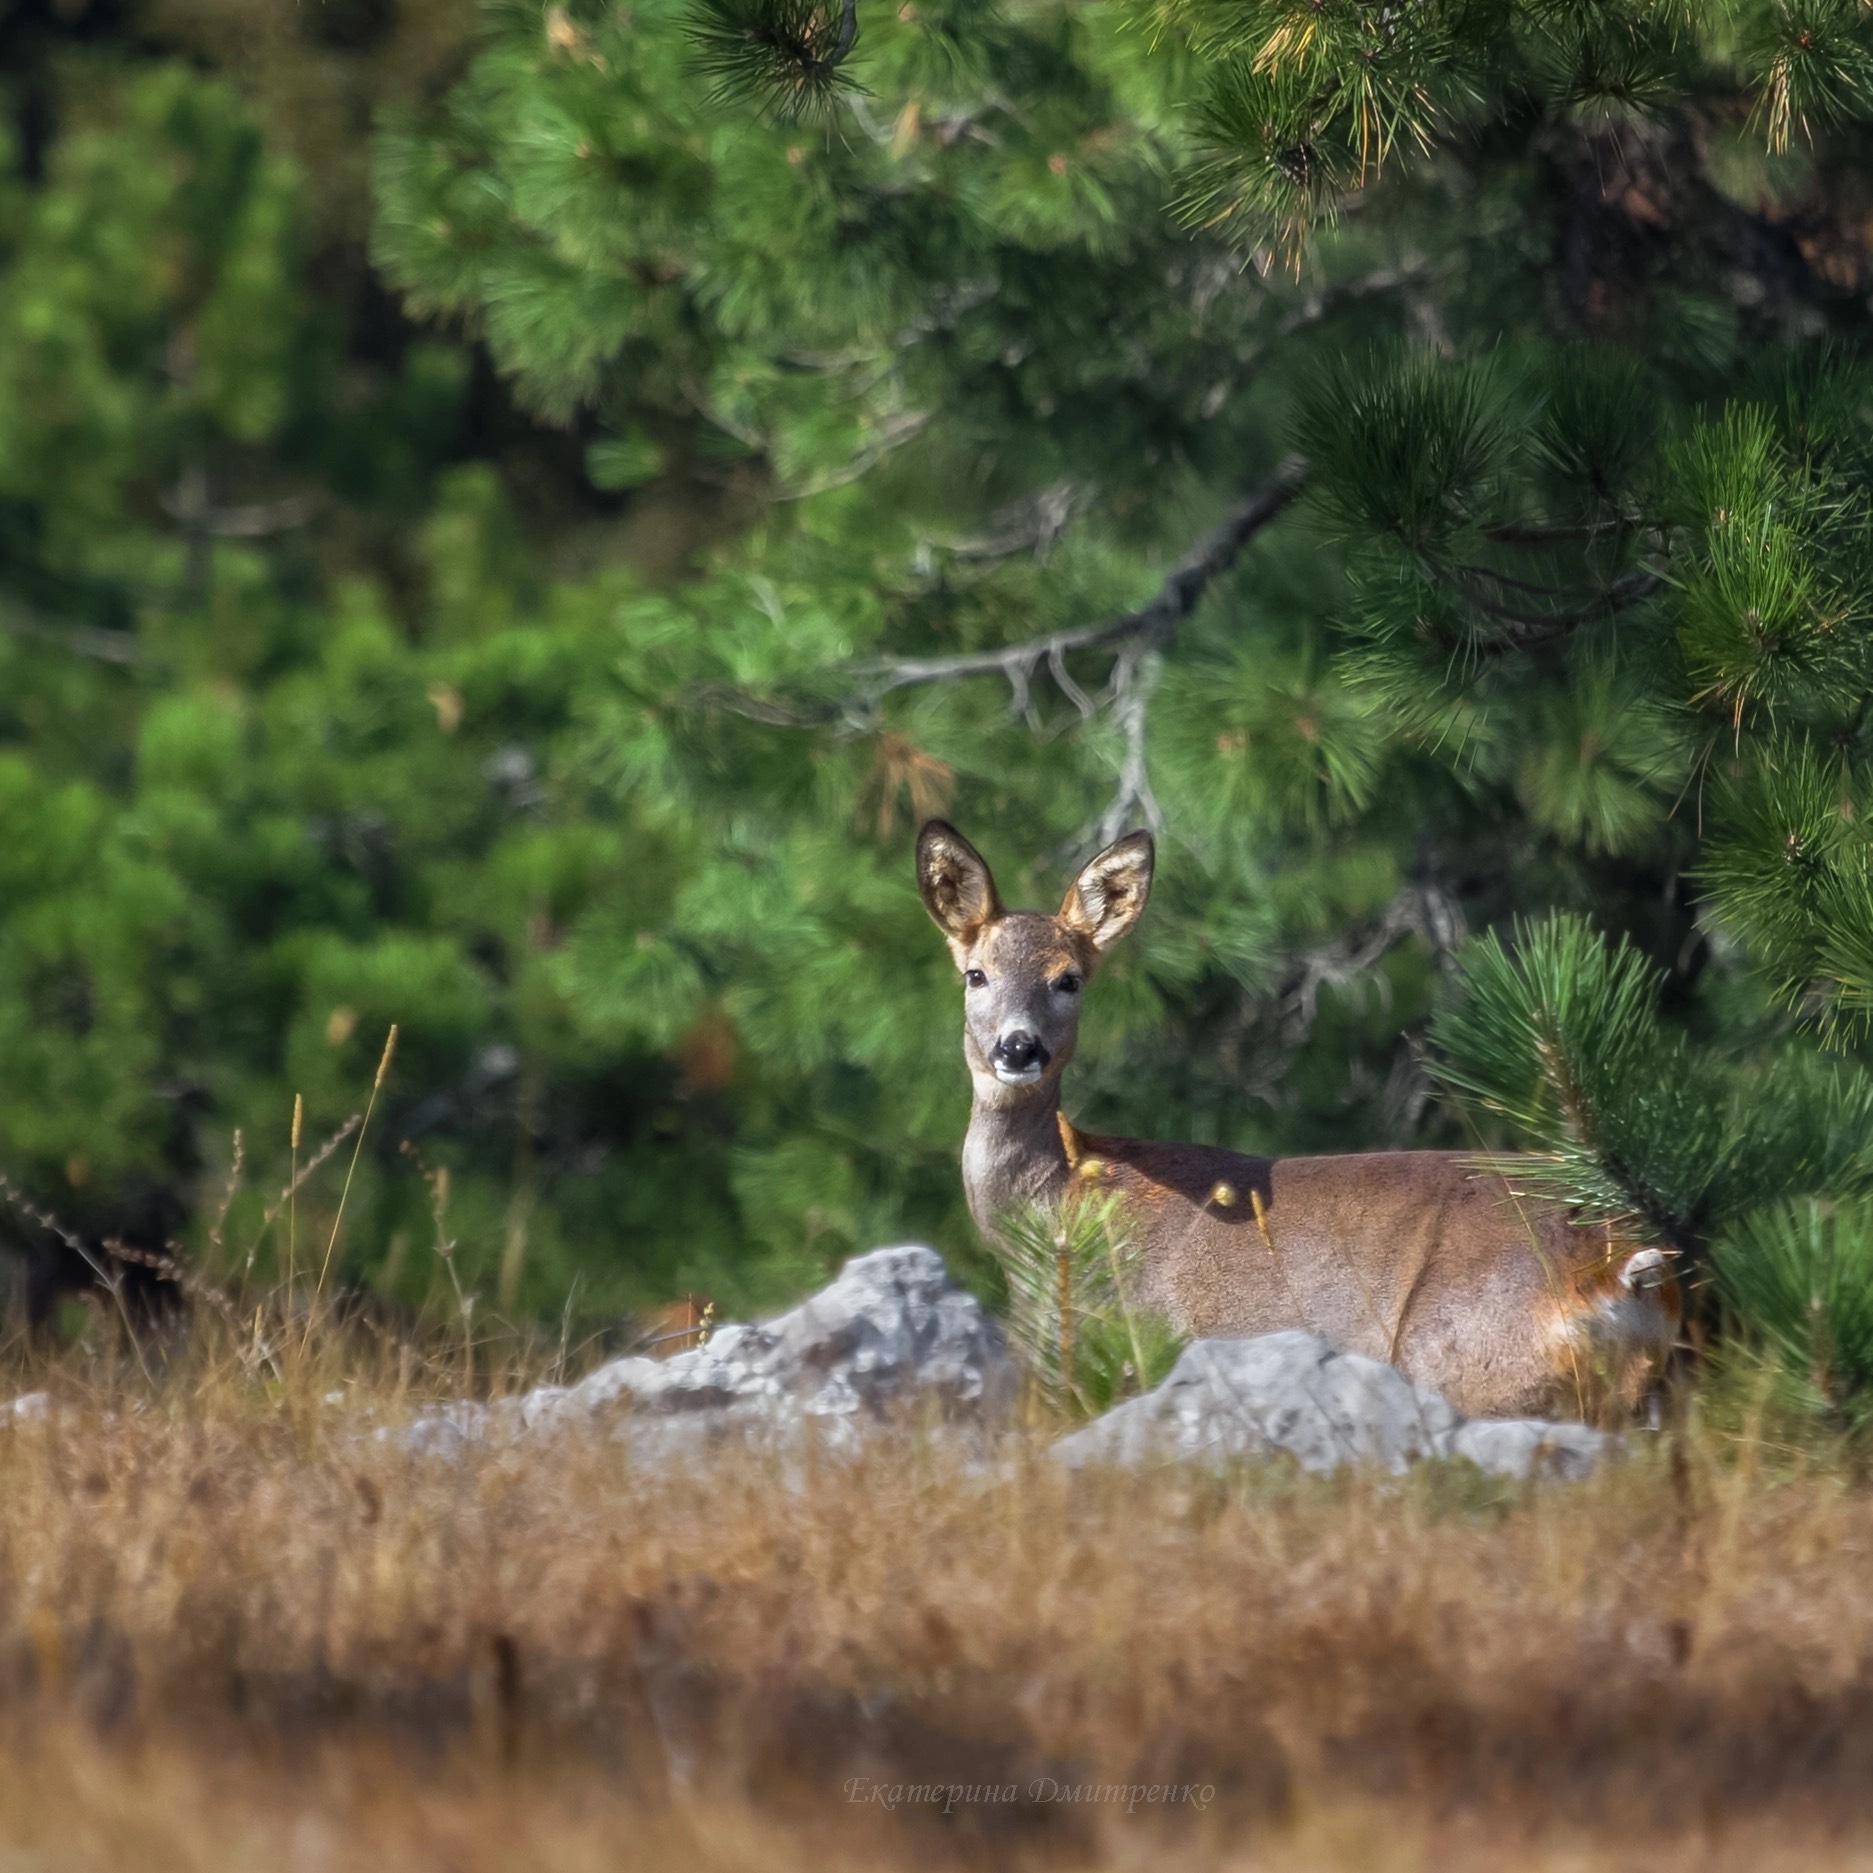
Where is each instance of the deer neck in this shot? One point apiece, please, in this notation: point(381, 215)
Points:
point(1013, 1153)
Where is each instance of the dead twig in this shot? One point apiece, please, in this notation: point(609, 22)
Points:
point(1277, 1025)
point(1151, 626)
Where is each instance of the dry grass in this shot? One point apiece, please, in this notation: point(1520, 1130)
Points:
point(238, 1629)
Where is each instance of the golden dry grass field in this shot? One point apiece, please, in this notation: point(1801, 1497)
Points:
point(238, 1630)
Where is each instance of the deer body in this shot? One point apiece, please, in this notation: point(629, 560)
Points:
point(1433, 1261)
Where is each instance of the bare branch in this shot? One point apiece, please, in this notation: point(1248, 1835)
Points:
point(1152, 625)
point(848, 35)
point(1527, 629)
point(1021, 699)
point(1034, 525)
point(83, 640)
point(1277, 1025)
point(893, 433)
point(1135, 677)
point(1535, 588)
point(264, 519)
point(1138, 638)
point(1422, 910)
point(1515, 533)
point(1063, 681)
point(187, 504)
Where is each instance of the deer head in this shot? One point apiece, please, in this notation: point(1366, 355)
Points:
point(1023, 971)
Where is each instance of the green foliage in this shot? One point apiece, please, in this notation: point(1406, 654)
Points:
point(1276, 748)
point(1082, 1341)
point(1812, 62)
point(1558, 1034)
point(1403, 447)
point(1765, 1170)
point(1800, 1275)
point(1604, 756)
point(1784, 846)
point(1557, 1037)
point(1273, 163)
point(1306, 104)
point(786, 55)
point(1768, 607)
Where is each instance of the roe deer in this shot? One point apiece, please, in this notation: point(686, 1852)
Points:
point(1431, 1260)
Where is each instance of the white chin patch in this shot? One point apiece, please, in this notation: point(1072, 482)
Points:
point(1026, 1077)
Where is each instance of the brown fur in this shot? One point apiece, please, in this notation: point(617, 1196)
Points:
point(1435, 1261)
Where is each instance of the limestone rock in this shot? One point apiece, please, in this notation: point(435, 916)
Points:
point(1279, 1392)
point(1521, 1447)
point(892, 1334)
point(1294, 1394)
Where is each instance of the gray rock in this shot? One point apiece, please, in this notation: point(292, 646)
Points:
point(1293, 1393)
point(892, 1330)
point(893, 1334)
point(446, 1431)
point(1279, 1392)
point(1522, 1447)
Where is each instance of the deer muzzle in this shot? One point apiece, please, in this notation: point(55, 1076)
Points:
point(1019, 1058)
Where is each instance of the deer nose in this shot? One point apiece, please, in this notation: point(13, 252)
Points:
point(1017, 1050)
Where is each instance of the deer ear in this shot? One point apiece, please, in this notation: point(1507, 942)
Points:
point(1108, 897)
point(956, 886)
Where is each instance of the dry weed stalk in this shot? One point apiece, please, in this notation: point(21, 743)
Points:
point(437, 1180)
point(288, 1194)
point(292, 1190)
point(351, 1170)
point(229, 1191)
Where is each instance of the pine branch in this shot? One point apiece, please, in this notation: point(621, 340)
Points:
point(1525, 630)
point(82, 640)
point(1514, 533)
point(787, 55)
point(189, 507)
point(1134, 677)
point(893, 433)
point(1152, 626)
point(1280, 1022)
point(1139, 637)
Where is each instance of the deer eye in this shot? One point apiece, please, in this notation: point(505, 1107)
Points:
point(1068, 984)
point(975, 979)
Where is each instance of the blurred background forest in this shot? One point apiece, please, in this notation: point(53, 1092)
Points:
point(477, 484)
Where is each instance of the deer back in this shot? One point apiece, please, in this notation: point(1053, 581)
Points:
point(1435, 1262)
